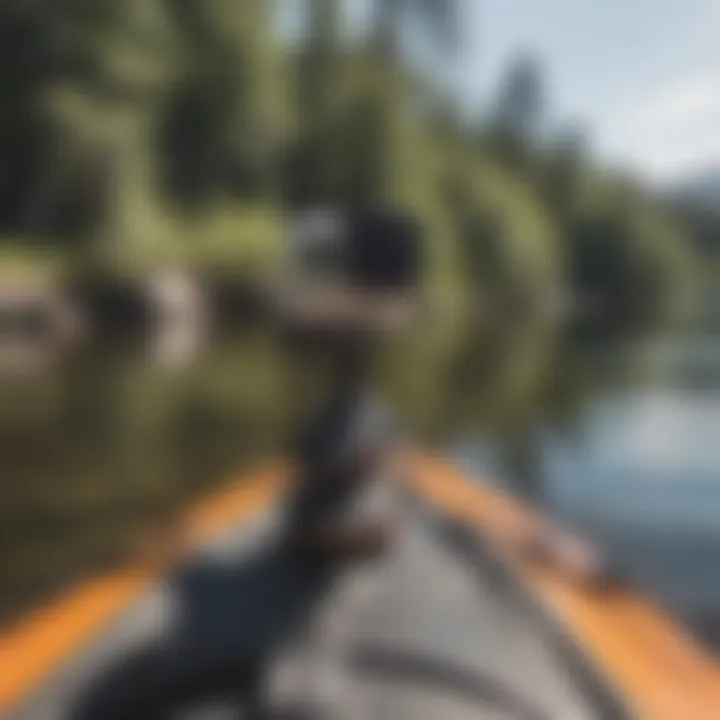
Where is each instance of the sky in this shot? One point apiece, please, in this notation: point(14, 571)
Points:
point(642, 77)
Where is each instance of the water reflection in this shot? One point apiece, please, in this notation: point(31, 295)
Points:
point(99, 446)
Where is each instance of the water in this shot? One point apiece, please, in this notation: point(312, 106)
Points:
point(103, 443)
point(642, 473)
point(638, 470)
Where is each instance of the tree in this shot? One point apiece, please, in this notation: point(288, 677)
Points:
point(222, 119)
point(318, 76)
point(438, 17)
point(517, 124)
point(563, 174)
point(75, 76)
point(521, 103)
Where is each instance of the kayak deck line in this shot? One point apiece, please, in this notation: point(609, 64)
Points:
point(661, 673)
point(652, 665)
point(30, 651)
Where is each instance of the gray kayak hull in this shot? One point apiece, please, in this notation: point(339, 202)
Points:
point(436, 629)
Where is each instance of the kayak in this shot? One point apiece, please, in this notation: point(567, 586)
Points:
point(461, 622)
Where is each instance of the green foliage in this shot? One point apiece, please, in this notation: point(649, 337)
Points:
point(510, 242)
point(146, 133)
point(22, 262)
point(522, 99)
point(246, 241)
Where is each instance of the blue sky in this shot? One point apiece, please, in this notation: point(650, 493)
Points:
point(642, 76)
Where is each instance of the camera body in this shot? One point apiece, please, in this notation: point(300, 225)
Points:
point(351, 270)
point(353, 277)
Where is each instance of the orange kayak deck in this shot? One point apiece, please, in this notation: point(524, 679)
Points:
point(661, 673)
point(32, 650)
point(653, 666)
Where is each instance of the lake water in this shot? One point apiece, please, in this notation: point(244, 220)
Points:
point(639, 471)
point(622, 441)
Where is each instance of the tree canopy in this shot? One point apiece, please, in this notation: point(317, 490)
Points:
point(137, 129)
